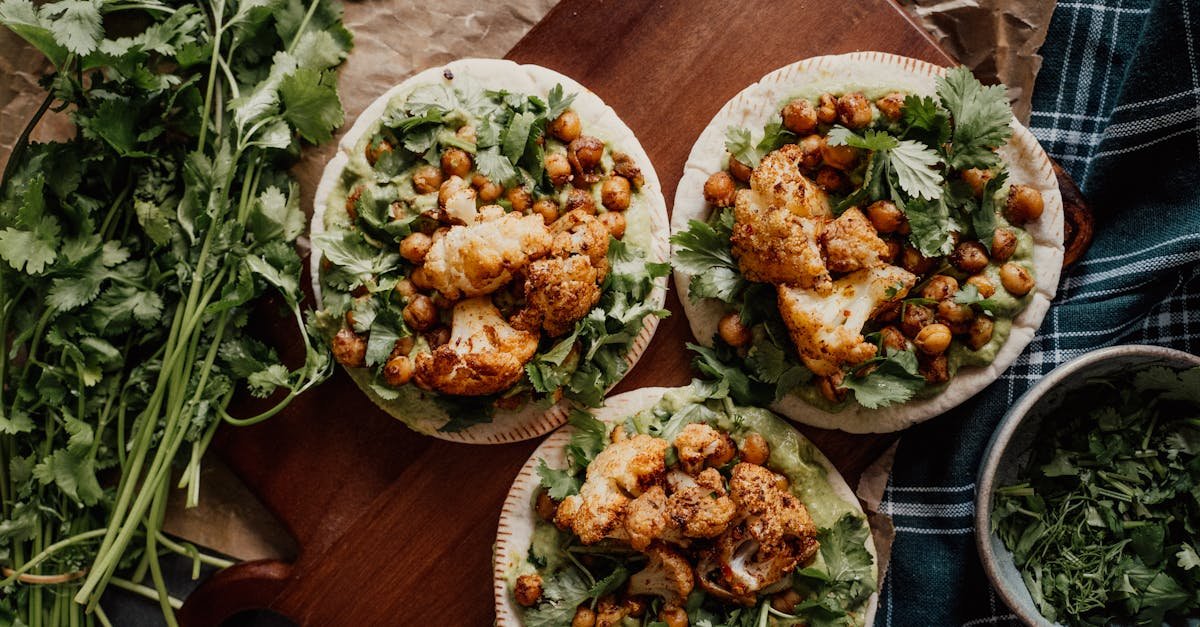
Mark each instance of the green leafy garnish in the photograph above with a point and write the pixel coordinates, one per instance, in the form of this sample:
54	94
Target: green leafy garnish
981	118
703	251
893	380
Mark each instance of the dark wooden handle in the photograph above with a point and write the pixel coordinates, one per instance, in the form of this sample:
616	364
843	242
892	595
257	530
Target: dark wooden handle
1078	220
245	586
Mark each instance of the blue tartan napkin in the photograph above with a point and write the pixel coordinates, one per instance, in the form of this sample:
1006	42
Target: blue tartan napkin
1117	103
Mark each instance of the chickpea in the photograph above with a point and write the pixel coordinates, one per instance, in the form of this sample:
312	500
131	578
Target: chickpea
739	170
615	192
885	216
887	312
1024	204
558	168
414	247
405	288
940	287
456	162
955	315
840	157
546	208
426	179
891	105
635	606
935	369
466	132
614	222
420	313
420	279
893	338
520	199
403	346
810	151
546	507
826	109
755	449
719	189
566	126
912	260
980	332
441	302
438	336
584	153
1004	244
799	116
913	318
832	180
375	150
673	616
1015	279
732	331
854	110
969	256
933	339
487	191
983	285
352	203
786	601
349	348
977	179
831	390
894	248
581	199
398	371
618	434
584	617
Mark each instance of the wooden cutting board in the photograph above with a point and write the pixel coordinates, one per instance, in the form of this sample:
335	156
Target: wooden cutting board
396	528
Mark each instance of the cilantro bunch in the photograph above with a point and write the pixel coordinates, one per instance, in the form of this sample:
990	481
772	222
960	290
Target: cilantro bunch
136	258
1103	523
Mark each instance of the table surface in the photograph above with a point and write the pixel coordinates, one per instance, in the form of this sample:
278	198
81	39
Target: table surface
397	528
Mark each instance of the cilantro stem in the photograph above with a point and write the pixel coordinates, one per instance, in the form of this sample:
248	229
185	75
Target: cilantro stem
187	549
143	591
156	516
18	150
48	552
218	31
312	8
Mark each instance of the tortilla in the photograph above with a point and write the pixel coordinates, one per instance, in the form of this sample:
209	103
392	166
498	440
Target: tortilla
514	533
867	71
534	419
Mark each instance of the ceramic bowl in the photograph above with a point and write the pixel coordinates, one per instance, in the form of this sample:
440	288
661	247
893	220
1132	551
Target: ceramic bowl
1010	449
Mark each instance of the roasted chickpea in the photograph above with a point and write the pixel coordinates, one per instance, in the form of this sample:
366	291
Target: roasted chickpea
438	336
786	601
420	279
893	338
403	346
980	332
940	287
349	348
581	199
566	126
466	132
976	179
441	302
635	606
618	434
831	390
528	589
584	617
405	289
955	315
933	339
487	191
755	449
614	222
891	105
426	179
719	189
1024	204
912	260
1004	244
894	248
352	203
673	616
826	109
420	313
832	180
885	216
558	168
415	247
615	193
375	150
546	208
732	331
739	170
887	312
584	153
810	151
913	318
840	157
983	285
456	162
799	116
398	371
854	110
519	198
935	369
1016	279
969	256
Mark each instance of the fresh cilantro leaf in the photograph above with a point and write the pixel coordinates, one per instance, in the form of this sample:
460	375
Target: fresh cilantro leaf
516	135
770	364
311	103
894	380
562	592
744	390
845	578
981	117
913	164
969	295
741	145
610	583
983	219
559	483
704	252
276	215
869	140
932	228
264	382
465	411
556	103
115	123
587	440
22	18
923	117
73	474
496	166
76	24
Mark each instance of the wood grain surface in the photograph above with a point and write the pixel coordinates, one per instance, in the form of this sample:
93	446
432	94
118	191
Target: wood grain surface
396	528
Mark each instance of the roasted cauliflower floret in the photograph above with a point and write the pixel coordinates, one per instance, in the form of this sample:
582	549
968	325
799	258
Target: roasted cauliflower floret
622	470
702	510
700	445
774	245
558	293
827	329
581	233
456	201
484	355
781	185
851	243
667	575
773	513
479	258
646	518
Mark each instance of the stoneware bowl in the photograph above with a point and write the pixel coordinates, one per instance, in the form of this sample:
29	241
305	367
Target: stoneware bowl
1010	448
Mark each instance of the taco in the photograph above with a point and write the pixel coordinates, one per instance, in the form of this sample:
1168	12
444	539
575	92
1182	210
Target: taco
488	248
865	240
679	506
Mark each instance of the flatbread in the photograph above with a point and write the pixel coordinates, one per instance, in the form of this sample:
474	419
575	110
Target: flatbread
876	72
514	533
535	419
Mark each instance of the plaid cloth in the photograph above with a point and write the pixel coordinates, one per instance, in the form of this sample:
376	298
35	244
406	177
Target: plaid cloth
1117	102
